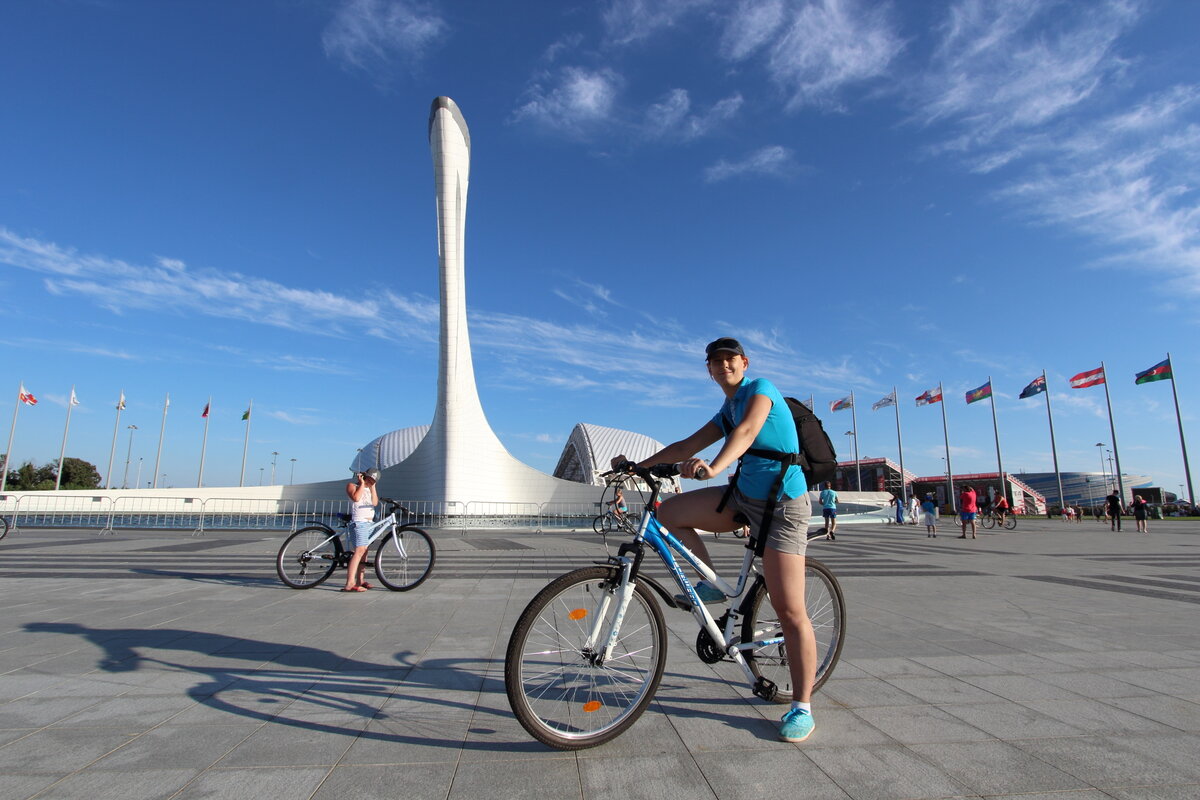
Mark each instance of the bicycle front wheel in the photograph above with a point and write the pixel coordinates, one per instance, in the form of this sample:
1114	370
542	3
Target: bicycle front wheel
404	559
307	557
826	610
988	521
1010	522
558	688
3	527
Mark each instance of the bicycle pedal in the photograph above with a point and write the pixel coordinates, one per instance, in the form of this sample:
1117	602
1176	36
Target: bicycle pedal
766	689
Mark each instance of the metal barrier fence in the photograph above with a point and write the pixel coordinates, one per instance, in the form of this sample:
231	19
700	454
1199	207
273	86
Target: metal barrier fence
108	513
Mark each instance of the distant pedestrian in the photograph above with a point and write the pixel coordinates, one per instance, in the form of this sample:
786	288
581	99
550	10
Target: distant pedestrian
929	507
828	498
968	507
914	508
1112	505
1079	514
899	504
1138	507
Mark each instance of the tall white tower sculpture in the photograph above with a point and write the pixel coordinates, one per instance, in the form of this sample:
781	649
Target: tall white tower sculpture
461	459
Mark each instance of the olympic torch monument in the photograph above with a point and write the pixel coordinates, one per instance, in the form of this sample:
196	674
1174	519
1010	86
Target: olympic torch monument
461	459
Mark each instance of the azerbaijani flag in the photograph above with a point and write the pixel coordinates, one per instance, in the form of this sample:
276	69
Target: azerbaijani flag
246	415
1159	372
930	396
982	393
838	405
1037	386
1093	377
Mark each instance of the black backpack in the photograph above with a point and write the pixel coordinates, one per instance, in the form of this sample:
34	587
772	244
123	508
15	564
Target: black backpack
817	459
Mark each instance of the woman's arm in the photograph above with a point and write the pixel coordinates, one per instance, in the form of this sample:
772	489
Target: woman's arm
742	436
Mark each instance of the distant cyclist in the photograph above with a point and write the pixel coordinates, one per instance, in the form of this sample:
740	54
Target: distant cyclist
620	508
1000	509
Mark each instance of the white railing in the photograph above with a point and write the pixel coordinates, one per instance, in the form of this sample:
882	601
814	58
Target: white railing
107	514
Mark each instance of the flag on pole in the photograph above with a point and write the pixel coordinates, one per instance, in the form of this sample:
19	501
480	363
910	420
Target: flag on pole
982	393
167	404
204	413
1093	377
121	402
884	402
838	405
246	415
25	397
1159	372
930	396
1037	386
74	399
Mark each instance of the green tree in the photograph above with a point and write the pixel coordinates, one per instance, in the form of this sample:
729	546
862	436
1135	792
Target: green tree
76	474
79	474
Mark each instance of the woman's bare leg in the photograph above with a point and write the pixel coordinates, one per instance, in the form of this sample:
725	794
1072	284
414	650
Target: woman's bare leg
682	514
784	573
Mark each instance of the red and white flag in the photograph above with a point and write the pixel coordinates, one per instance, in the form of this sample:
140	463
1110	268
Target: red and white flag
1093	377
25	397
930	396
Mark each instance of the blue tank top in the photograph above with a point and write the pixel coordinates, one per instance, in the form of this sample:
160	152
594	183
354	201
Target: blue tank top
778	433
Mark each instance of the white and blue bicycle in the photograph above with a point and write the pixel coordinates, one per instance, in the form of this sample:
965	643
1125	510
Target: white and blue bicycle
403	560
588	652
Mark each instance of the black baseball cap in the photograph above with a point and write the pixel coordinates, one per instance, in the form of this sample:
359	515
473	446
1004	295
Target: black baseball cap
724	343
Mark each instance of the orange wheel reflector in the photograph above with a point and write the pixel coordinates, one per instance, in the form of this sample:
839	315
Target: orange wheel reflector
578	613
594	705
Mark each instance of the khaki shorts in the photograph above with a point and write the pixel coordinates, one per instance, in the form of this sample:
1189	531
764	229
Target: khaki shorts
789	526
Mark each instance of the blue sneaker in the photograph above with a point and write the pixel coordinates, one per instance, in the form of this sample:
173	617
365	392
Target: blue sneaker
705	591
797	726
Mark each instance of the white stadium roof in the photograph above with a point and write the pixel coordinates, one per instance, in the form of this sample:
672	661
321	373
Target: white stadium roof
590	448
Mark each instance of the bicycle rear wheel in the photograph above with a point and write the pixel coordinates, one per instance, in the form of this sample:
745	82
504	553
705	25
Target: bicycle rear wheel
600	524
405	558
3	527
988	521
826	610
308	557
1010	522
556	688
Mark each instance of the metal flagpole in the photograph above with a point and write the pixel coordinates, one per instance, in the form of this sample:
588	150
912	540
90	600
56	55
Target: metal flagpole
1062	501
161	432
246	443
113	452
1112	428
812	402
949	469
62	453
204	441
8	450
996	430
1187	470
854	422
900	446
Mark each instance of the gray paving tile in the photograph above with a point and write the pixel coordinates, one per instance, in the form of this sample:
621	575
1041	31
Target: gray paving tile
1181	792
769	773
266	782
994	767
99	784
1104	762
415	782
661	777
943	690
407	741
1179	714
913	724
1097	716
511	779
1010	720
59	751
867	692
195	747
884	772
22	785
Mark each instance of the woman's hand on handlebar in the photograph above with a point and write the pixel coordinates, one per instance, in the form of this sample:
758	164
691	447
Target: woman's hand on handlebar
695	468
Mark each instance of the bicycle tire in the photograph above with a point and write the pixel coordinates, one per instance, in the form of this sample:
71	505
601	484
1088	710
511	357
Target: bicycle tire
555	690
3	527
308	557
599	526
1010	522
988	521
401	573
827	610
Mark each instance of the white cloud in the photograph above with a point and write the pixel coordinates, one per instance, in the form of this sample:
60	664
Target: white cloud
573	100
119	287
371	35
628	21
814	49
672	118
773	161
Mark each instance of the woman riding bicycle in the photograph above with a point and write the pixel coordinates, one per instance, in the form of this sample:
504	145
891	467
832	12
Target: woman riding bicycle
754	415
363	499
620	508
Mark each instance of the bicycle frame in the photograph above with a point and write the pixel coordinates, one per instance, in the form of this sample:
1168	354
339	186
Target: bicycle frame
651	532
387	523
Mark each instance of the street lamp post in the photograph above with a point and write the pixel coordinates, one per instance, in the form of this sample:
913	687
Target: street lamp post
1112	471
260	475
274	456
1103	474
128	453
292	474
1091	497
138	482
854	450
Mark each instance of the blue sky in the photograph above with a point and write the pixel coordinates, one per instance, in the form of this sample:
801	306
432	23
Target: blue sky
236	200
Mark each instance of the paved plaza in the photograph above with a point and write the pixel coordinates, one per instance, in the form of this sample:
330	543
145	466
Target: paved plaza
1054	662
